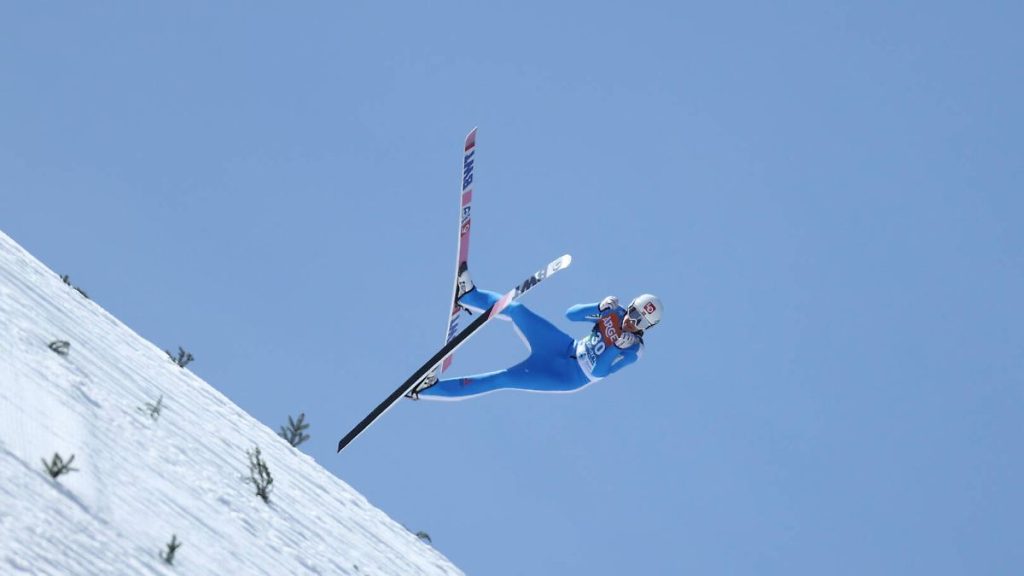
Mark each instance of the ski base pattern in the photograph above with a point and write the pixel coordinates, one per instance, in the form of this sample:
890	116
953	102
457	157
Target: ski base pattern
465	213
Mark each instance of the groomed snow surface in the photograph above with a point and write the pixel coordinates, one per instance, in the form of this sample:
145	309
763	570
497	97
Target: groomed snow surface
139	481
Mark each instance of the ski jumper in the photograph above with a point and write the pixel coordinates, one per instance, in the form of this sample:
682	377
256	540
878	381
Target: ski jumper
557	362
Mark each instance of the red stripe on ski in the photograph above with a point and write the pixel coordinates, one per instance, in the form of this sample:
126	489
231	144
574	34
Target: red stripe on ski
502	304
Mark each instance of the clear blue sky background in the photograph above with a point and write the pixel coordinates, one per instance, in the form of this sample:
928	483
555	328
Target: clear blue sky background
826	195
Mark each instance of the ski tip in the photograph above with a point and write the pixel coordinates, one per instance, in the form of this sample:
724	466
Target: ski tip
563	262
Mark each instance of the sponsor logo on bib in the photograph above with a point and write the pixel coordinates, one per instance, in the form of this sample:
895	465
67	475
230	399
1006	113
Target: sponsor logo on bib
610	327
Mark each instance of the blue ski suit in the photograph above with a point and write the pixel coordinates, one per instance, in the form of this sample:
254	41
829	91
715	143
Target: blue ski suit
557	362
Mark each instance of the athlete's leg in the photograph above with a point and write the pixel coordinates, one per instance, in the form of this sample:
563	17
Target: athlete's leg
479	300
543	337
540	335
531	374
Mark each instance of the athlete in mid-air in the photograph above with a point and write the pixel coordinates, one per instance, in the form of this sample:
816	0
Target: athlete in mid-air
557	362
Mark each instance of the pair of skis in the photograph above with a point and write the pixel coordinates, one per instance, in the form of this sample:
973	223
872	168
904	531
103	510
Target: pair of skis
453	337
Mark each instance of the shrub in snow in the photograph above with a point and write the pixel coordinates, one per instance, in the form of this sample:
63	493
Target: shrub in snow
259	474
153	409
172	547
67	280
60	347
58	466
183	357
294	432
421	535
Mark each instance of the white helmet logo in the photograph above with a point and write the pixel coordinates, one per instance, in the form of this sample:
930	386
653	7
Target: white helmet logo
645	310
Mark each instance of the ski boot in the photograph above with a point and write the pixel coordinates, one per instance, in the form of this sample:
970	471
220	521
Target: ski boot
464	285
429	380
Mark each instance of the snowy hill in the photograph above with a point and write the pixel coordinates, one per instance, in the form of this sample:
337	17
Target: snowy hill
140	480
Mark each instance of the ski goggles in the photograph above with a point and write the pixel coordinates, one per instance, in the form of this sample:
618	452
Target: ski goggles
638	318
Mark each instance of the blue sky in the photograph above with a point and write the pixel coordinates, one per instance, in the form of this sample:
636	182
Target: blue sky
827	197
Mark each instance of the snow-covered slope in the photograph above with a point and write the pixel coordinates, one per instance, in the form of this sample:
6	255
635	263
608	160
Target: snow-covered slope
140	480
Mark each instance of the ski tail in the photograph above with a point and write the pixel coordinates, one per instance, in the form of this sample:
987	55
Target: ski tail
453	344
462	256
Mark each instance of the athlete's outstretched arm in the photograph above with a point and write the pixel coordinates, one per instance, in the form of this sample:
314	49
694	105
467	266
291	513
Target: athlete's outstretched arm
584	312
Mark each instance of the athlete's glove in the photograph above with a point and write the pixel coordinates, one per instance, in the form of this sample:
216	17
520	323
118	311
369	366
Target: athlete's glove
626	340
609	303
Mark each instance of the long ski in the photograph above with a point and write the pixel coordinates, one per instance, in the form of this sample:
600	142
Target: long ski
453	344
462	256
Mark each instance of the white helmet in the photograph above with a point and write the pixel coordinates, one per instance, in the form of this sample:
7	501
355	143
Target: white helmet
645	310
